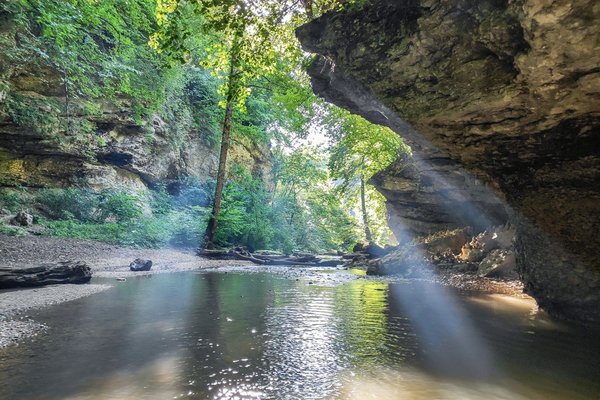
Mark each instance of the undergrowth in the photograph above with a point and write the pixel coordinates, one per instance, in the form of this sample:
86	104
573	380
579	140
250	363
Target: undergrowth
143	219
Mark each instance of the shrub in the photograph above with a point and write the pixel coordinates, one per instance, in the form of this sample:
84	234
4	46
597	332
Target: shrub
10	230
160	201
107	232
145	232
188	226
71	203
121	205
14	199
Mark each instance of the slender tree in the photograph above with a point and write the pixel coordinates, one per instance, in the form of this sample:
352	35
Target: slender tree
232	83
361	150
255	38
363	207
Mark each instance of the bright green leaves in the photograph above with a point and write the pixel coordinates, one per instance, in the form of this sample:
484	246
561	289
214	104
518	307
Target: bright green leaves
363	148
257	37
310	213
98	47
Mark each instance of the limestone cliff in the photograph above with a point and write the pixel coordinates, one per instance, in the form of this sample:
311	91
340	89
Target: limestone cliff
507	90
51	138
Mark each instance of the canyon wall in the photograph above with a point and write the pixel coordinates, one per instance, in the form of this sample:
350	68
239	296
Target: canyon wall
54	137
500	101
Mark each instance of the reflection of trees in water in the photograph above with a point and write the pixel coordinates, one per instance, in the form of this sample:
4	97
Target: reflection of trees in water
224	328
362	306
319	331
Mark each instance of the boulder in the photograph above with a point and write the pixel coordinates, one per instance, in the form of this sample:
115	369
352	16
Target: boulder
498	264
374	250
446	241
23	218
140	264
481	245
408	262
45	274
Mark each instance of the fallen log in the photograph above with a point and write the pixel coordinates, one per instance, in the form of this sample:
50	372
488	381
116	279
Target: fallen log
45	274
269	257
263	259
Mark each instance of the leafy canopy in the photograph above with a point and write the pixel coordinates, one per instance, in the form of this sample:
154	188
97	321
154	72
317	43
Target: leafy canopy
362	149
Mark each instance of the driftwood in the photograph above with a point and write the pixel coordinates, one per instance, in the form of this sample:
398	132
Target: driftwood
45	274
304	260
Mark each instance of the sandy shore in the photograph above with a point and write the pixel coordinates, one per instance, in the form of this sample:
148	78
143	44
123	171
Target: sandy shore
105	260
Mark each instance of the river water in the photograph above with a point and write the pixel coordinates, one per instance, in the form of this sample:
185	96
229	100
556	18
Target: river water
281	333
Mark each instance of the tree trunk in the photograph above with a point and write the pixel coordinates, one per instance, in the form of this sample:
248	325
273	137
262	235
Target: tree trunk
363	205
211	227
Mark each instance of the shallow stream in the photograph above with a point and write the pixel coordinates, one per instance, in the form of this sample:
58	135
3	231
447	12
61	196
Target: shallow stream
281	333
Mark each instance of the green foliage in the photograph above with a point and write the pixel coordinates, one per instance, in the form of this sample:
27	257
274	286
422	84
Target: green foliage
99	48
362	148
89	53
201	92
41	114
187	226
14	200
246	215
85	205
146	232
117	216
10	230
307	213
88	206
71	203
120	205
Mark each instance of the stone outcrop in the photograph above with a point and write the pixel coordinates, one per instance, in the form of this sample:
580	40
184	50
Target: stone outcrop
500	95
426	195
132	155
56	140
125	154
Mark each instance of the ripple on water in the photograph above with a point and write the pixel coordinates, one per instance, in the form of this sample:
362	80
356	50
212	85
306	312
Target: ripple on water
274	335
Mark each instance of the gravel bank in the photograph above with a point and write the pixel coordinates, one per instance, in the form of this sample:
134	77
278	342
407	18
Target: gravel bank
15	326
105	260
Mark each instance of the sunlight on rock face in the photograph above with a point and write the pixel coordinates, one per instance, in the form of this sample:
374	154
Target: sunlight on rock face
413	385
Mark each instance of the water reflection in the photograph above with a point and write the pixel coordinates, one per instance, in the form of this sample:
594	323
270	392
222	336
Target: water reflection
264	336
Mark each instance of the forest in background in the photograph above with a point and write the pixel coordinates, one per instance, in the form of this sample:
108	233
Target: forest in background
174	61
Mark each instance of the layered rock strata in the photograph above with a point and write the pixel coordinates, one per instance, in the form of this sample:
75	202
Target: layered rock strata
50	138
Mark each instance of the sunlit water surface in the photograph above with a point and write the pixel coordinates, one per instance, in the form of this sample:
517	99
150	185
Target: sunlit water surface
283	334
